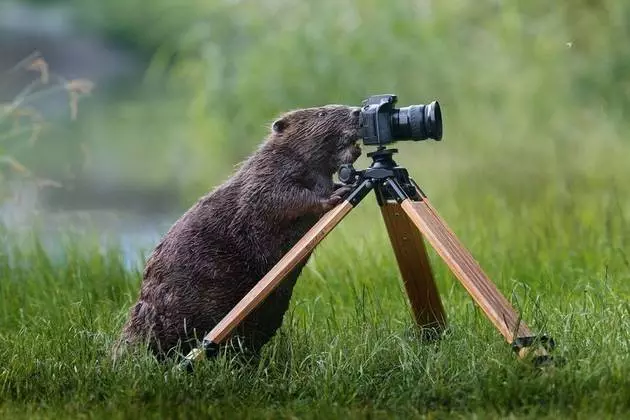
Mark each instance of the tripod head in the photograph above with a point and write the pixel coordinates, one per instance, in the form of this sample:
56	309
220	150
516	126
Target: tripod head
382	165
380	175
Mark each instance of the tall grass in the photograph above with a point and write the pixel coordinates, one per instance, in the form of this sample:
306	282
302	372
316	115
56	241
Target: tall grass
347	346
23	124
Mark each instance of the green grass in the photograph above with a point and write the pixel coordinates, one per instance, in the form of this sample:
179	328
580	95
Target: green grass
555	243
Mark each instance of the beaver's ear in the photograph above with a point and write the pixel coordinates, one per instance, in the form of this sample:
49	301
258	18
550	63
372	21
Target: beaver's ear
279	125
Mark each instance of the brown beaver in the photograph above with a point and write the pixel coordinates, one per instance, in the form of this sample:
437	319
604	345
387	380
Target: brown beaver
231	237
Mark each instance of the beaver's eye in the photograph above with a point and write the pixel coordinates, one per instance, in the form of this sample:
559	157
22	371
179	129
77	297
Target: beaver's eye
321	114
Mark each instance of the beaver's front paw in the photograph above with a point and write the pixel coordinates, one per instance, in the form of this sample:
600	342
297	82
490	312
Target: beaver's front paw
336	198
342	191
330	203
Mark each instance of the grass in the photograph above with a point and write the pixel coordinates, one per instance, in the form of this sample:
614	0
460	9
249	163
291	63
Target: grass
555	244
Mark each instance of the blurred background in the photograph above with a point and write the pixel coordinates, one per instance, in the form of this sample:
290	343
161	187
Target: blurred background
117	115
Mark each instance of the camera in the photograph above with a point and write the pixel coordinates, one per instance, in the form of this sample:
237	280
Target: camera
382	124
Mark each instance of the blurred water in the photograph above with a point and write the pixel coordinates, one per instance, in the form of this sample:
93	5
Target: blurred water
132	235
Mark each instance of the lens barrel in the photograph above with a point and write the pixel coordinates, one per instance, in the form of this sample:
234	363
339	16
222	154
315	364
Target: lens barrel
417	122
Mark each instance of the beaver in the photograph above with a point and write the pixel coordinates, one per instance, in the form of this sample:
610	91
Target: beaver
232	236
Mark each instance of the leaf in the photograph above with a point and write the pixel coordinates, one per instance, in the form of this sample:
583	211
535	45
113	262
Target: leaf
40	65
15	165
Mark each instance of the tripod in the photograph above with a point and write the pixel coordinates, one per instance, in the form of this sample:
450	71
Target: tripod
409	218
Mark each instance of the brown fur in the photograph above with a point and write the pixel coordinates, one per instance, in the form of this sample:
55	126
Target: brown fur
227	241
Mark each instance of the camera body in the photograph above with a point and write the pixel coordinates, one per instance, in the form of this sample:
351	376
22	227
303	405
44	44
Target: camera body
382	124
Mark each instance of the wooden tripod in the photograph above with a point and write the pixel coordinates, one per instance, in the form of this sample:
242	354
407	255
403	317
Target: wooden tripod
409	218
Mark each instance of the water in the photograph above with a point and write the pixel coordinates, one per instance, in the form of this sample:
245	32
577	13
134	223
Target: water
131	234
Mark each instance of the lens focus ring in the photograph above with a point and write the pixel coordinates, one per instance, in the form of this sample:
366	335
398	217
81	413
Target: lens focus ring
416	122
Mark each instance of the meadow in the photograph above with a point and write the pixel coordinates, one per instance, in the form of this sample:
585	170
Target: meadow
532	176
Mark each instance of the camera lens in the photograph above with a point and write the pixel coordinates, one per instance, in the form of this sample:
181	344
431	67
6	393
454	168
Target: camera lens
418	122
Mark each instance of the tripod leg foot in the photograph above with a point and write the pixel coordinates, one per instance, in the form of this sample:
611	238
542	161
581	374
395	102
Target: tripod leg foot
538	350
207	350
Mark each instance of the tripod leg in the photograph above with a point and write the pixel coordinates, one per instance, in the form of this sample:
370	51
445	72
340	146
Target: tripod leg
467	270
415	269
277	274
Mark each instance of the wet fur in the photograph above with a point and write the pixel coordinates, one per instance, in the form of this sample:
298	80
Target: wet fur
230	238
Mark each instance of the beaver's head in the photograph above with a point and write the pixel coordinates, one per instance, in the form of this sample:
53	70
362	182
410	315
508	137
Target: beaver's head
325	137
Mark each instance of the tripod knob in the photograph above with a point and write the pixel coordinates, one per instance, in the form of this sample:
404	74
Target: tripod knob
346	173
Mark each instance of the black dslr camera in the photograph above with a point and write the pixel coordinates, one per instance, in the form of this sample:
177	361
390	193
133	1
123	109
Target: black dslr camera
382	124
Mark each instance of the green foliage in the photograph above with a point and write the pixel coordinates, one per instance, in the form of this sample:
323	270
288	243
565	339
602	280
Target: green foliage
511	76
516	80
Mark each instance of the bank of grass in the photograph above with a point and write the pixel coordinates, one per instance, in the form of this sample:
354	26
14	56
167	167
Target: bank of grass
554	238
